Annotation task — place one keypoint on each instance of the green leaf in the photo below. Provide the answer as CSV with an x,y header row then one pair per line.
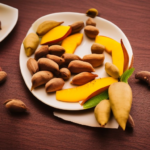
x,y
125,76
95,100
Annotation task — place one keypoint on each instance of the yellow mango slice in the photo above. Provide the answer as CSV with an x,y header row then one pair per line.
x,y
118,58
71,42
115,49
82,92
56,34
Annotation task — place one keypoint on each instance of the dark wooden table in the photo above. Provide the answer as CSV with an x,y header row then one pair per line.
x,y
40,129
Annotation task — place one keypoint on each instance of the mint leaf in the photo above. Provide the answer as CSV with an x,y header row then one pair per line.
x,y
95,100
125,76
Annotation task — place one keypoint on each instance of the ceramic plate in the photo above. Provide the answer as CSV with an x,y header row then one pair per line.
x,y
105,27
8,18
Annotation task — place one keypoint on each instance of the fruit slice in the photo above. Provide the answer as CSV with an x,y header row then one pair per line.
x,y
71,42
120,96
118,58
126,56
114,48
56,35
82,92
99,91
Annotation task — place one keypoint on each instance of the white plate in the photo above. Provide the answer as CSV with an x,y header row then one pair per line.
x,y
8,18
105,27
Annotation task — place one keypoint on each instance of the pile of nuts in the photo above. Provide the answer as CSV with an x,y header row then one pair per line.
x,y
52,66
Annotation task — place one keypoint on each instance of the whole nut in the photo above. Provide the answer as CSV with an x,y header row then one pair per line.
x,y
54,84
56,59
56,50
15,105
83,78
32,66
92,12
3,76
40,78
65,73
78,66
41,52
91,22
91,31
77,27
95,60
97,48
48,65
70,57
143,76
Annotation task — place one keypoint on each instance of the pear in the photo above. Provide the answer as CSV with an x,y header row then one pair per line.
x,y
120,96
102,112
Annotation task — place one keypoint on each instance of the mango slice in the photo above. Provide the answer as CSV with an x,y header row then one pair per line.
x,y
71,42
115,49
109,43
56,35
82,92
126,56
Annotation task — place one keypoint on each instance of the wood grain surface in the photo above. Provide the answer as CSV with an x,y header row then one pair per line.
x,y
39,129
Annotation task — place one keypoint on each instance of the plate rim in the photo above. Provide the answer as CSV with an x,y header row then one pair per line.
x,y
15,21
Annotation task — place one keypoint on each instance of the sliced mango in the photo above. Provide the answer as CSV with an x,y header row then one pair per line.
x,y
126,56
114,48
82,92
71,42
56,35
118,58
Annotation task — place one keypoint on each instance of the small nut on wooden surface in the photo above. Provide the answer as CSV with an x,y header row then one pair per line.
x,y
15,105
92,12
91,22
77,27
54,84
97,48
91,31
65,73
32,66
143,76
41,52
3,76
